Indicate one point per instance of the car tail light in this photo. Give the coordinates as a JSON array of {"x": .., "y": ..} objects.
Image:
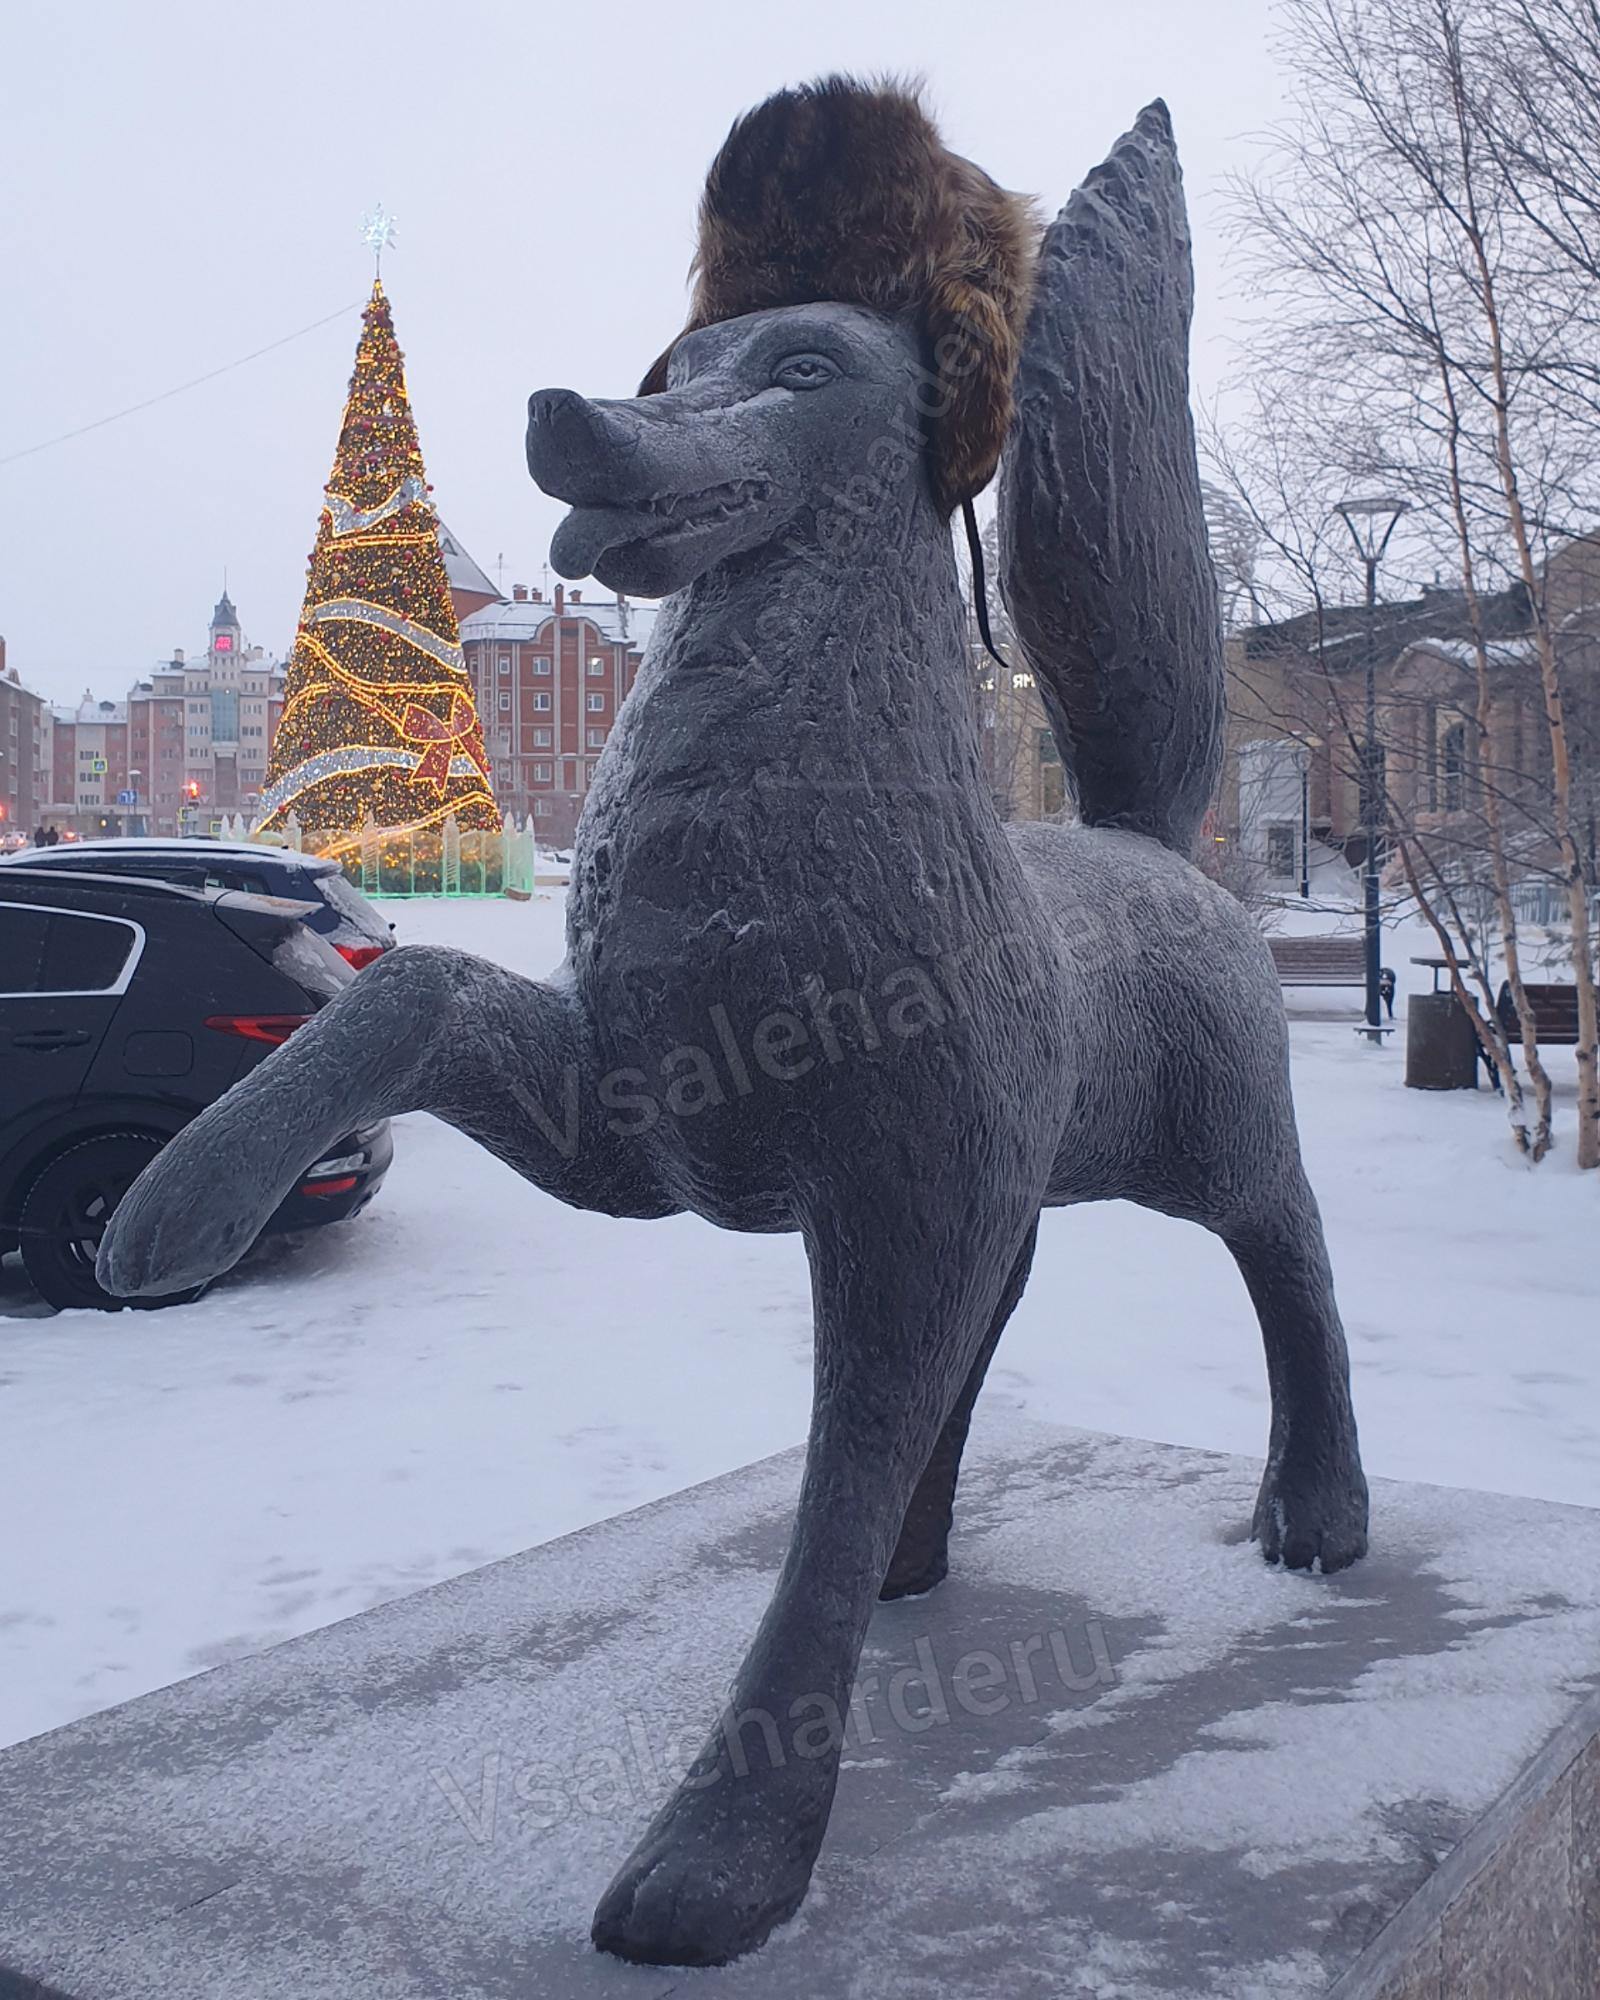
[
  {"x": 273, "y": 1028},
  {"x": 359, "y": 955},
  {"x": 342, "y": 1185}
]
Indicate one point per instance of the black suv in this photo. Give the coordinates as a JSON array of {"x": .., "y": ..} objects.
[
  {"x": 126, "y": 1007},
  {"x": 335, "y": 908}
]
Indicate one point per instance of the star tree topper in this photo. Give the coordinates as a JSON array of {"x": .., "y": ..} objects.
[{"x": 378, "y": 232}]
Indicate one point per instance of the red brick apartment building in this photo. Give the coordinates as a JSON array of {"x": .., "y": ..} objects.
[
  {"x": 186, "y": 745},
  {"x": 24, "y": 780},
  {"x": 550, "y": 675}
]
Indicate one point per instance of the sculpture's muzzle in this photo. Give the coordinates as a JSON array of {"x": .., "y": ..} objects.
[
  {"x": 579, "y": 451},
  {"x": 660, "y": 486}
]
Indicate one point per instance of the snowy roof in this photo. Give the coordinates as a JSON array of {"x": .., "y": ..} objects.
[
  {"x": 463, "y": 573},
  {"x": 1501, "y": 652},
  {"x": 617, "y": 618},
  {"x": 1338, "y": 639},
  {"x": 89, "y": 710}
]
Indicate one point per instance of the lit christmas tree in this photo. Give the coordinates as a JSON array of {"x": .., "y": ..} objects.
[{"x": 378, "y": 716}]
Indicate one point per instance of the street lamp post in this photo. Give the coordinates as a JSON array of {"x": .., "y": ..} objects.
[
  {"x": 1305, "y": 822},
  {"x": 1371, "y": 522}
]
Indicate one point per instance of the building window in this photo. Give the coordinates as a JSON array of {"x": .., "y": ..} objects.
[
  {"x": 1281, "y": 849},
  {"x": 541, "y": 739},
  {"x": 596, "y": 703},
  {"x": 505, "y": 698},
  {"x": 541, "y": 774},
  {"x": 541, "y": 663},
  {"x": 1455, "y": 767},
  {"x": 541, "y": 808},
  {"x": 597, "y": 739},
  {"x": 505, "y": 663},
  {"x": 597, "y": 667},
  {"x": 541, "y": 699}
]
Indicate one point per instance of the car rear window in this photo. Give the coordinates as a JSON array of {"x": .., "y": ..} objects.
[
  {"x": 50, "y": 951},
  {"x": 352, "y": 908},
  {"x": 239, "y": 878}
]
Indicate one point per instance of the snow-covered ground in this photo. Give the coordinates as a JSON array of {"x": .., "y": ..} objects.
[{"x": 470, "y": 1367}]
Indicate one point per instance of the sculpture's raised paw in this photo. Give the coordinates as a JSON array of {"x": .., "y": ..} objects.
[
  {"x": 1307, "y": 1519},
  {"x": 173, "y": 1228},
  {"x": 713, "y": 1877}
]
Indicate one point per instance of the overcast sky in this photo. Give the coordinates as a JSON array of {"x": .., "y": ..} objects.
[{"x": 184, "y": 181}]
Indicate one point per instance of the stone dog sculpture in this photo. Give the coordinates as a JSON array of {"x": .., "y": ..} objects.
[{"x": 933, "y": 1026}]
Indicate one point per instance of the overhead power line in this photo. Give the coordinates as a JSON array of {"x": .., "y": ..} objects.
[{"x": 166, "y": 395}]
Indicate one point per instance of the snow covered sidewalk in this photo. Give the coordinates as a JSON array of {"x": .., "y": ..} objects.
[{"x": 471, "y": 1368}]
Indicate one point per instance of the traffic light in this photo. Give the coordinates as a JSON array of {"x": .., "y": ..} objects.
[{"x": 192, "y": 789}]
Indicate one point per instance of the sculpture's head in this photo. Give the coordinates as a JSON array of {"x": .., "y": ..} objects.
[
  {"x": 794, "y": 421},
  {"x": 836, "y": 230}
]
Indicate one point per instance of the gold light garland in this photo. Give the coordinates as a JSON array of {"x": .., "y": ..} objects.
[{"x": 369, "y": 730}]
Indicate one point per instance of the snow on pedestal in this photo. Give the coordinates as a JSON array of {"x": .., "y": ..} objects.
[{"x": 1115, "y": 1755}]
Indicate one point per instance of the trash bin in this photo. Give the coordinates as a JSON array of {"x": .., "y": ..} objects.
[{"x": 1441, "y": 1044}]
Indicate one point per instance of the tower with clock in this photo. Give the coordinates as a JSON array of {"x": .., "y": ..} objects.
[{"x": 224, "y": 627}]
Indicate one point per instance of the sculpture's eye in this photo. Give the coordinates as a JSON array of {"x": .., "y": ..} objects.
[{"x": 804, "y": 371}]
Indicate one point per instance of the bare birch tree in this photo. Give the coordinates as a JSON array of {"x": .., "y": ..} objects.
[{"x": 1421, "y": 243}]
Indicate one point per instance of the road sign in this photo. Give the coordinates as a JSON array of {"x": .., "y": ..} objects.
[
  {"x": 127, "y": 798},
  {"x": 98, "y": 766}
]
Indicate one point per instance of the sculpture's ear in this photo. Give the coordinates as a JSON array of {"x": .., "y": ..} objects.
[
  {"x": 656, "y": 375},
  {"x": 972, "y": 341},
  {"x": 655, "y": 379}
]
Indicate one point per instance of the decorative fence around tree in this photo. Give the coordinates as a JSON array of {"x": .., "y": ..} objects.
[{"x": 433, "y": 861}]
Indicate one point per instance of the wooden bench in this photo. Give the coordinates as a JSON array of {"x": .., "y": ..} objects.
[
  {"x": 1320, "y": 961},
  {"x": 1555, "y": 1012},
  {"x": 1334, "y": 960}
]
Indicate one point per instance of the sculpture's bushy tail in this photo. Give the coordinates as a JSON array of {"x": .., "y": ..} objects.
[{"x": 1103, "y": 557}]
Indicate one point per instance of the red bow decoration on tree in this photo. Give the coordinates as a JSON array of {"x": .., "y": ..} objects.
[{"x": 444, "y": 735}]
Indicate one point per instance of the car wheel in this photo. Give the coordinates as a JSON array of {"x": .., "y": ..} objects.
[{"x": 65, "y": 1214}]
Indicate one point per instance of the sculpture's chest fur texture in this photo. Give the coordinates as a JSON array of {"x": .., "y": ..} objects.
[{"x": 790, "y": 864}]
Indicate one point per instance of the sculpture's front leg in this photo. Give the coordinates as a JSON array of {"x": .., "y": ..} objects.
[
  {"x": 424, "y": 1029},
  {"x": 905, "y": 1291},
  {"x": 922, "y": 1555}
]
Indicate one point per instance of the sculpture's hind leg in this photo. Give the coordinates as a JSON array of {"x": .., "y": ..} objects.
[
  {"x": 903, "y": 1302},
  {"x": 1313, "y": 1502},
  {"x": 922, "y": 1555},
  {"x": 504, "y": 1058}
]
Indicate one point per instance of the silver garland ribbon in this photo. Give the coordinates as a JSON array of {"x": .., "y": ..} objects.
[
  {"x": 359, "y": 612},
  {"x": 348, "y": 520},
  {"x": 342, "y": 763}
]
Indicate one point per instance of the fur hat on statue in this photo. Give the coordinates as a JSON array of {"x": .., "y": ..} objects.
[{"x": 844, "y": 190}]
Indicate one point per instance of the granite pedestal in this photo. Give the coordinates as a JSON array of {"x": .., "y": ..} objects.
[{"x": 1115, "y": 1755}]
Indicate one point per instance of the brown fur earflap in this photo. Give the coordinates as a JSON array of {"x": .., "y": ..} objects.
[{"x": 843, "y": 190}]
